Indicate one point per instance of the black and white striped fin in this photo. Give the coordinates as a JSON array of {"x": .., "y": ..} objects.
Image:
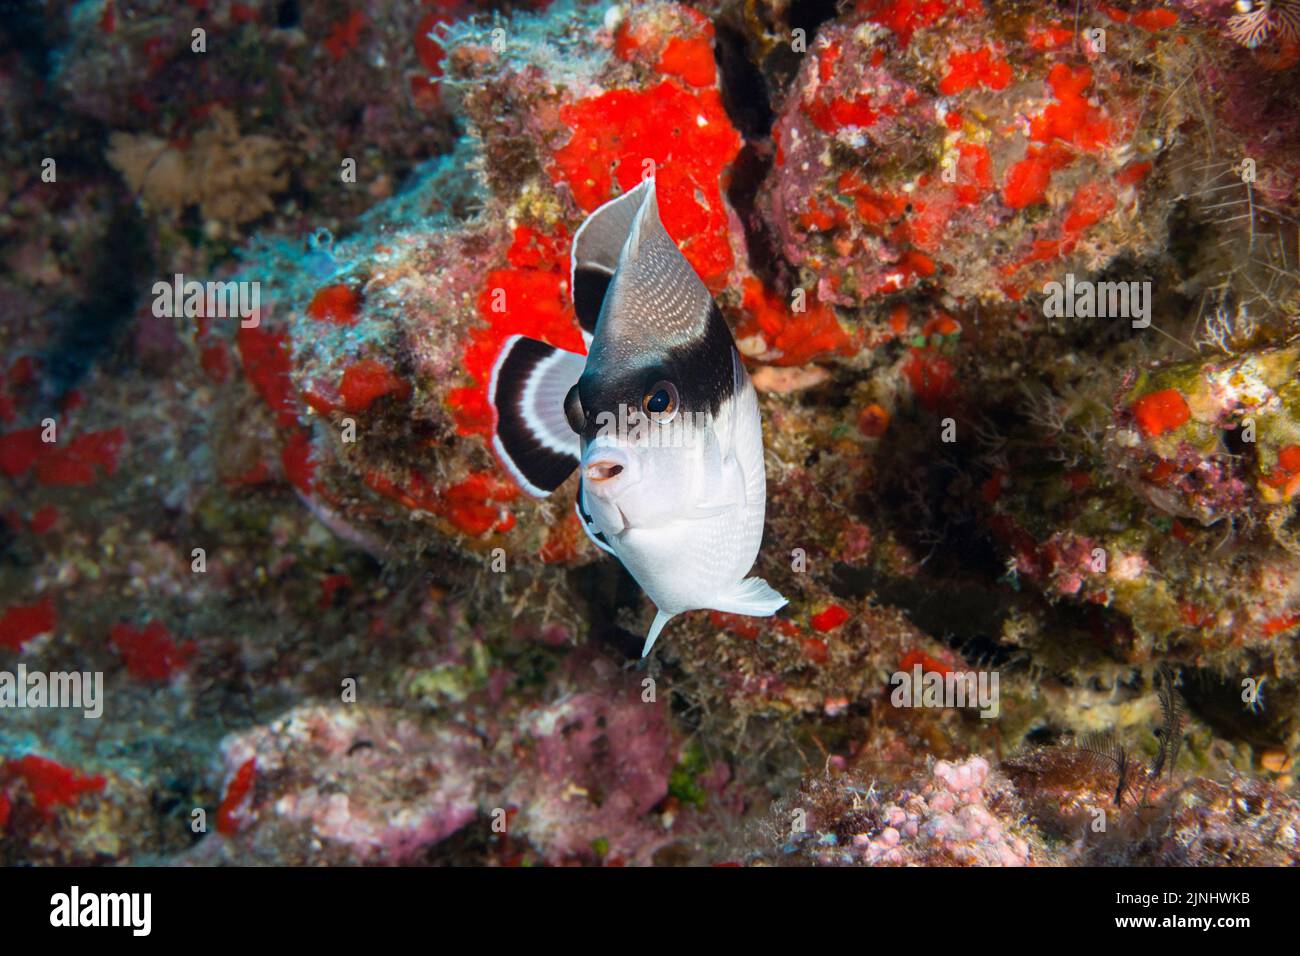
[
  {"x": 597, "y": 537},
  {"x": 533, "y": 439},
  {"x": 596, "y": 248}
]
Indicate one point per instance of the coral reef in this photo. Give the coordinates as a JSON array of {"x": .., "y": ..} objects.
[
  {"x": 341, "y": 785},
  {"x": 956, "y": 817},
  {"x": 1018, "y": 286}
]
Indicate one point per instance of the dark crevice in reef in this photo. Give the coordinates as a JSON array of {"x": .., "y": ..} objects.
[
  {"x": 1217, "y": 700},
  {"x": 781, "y": 62},
  {"x": 958, "y": 594},
  {"x": 745, "y": 98},
  {"x": 748, "y": 173},
  {"x": 23, "y": 29},
  {"x": 962, "y": 592},
  {"x": 89, "y": 328},
  {"x": 967, "y": 615},
  {"x": 94, "y": 325},
  {"x": 287, "y": 15},
  {"x": 606, "y": 589},
  {"x": 808, "y": 15},
  {"x": 744, "y": 91}
]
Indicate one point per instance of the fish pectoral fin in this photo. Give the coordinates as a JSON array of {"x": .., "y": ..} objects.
[
  {"x": 753, "y": 597},
  {"x": 731, "y": 492},
  {"x": 661, "y": 618}
]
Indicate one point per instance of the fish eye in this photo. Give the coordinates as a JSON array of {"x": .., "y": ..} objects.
[
  {"x": 573, "y": 410},
  {"x": 661, "y": 402}
]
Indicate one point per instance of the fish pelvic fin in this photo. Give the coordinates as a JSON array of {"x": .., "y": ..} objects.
[
  {"x": 595, "y": 534},
  {"x": 752, "y": 597},
  {"x": 661, "y": 618}
]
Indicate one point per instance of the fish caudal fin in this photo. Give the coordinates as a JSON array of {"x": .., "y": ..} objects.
[
  {"x": 752, "y": 597},
  {"x": 656, "y": 626},
  {"x": 533, "y": 439}
]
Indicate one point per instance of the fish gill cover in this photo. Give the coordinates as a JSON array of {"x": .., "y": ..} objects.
[{"x": 1016, "y": 285}]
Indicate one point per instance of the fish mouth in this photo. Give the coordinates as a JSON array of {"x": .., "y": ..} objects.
[
  {"x": 608, "y": 475},
  {"x": 603, "y": 470}
]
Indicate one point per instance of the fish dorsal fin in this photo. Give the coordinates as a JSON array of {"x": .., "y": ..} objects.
[
  {"x": 596, "y": 248},
  {"x": 655, "y": 300},
  {"x": 644, "y": 224}
]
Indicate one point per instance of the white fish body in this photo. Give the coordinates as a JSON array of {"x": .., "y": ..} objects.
[{"x": 660, "y": 419}]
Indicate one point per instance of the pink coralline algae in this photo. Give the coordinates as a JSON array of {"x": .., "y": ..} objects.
[
  {"x": 595, "y": 768},
  {"x": 959, "y": 814},
  {"x": 949, "y": 820},
  {"x": 366, "y": 784}
]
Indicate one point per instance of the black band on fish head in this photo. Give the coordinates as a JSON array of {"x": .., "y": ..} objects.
[
  {"x": 696, "y": 378},
  {"x": 704, "y": 368},
  {"x": 590, "y": 283},
  {"x": 573, "y": 410}
]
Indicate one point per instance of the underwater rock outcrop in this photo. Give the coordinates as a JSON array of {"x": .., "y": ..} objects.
[{"x": 329, "y": 619}]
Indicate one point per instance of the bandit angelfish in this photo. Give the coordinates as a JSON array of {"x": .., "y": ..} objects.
[{"x": 660, "y": 419}]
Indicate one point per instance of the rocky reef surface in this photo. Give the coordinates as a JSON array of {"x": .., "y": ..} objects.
[{"x": 1018, "y": 285}]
